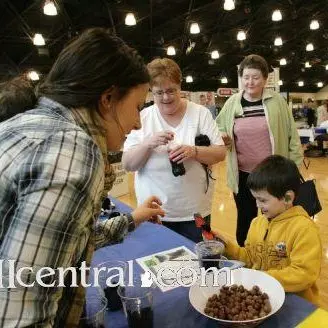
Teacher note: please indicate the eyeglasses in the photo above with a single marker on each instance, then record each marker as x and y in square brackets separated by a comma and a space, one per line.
[168, 92]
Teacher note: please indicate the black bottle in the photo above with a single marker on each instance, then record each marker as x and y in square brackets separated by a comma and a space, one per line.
[177, 169]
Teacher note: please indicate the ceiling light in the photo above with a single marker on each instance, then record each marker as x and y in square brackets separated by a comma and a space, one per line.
[300, 83]
[194, 28]
[38, 40]
[224, 80]
[130, 20]
[309, 47]
[229, 5]
[308, 65]
[49, 8]
[280, 82]
[283, 62]
[320, 84]
[171, 51]
[276, 16]
[241, 35]
[189, 79]
[314, 25]
[215, 54]
[278, 41]
[190, 47]
[33, 75]
[326, 67]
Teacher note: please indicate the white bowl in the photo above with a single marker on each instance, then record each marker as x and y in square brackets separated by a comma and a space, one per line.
[199, 295]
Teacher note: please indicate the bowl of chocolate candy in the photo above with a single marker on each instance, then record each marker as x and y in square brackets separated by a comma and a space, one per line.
[246, 299]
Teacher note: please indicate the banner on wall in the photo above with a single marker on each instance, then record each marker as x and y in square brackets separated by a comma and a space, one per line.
[121, 185]
[226, 92]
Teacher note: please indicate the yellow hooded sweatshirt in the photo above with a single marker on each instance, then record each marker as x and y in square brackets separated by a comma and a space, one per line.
[288, 248]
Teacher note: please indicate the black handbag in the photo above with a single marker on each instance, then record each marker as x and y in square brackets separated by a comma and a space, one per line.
[204, 140]
[308, 198]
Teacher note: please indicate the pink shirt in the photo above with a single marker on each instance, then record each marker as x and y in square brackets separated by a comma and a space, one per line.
[252, 138]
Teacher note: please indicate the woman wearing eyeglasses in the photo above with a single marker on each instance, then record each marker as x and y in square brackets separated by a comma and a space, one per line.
[168, 132]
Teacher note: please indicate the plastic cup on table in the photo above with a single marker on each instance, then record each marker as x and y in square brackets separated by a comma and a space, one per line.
[112, 274]
[209, 252]
[137, 303]
[93, 315]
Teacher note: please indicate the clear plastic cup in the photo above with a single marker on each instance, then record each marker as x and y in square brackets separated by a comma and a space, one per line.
[93, 315]
[209, 252]
[137, 304]
[113, 273]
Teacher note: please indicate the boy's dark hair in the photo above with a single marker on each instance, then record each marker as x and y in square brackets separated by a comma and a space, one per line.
[254, 61]
[89, 65]
[277, 175]
[16, 96]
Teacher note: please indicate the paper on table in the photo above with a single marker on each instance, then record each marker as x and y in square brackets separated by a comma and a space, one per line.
[167, 263]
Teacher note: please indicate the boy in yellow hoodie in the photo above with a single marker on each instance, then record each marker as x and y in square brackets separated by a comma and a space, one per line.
[283, 241]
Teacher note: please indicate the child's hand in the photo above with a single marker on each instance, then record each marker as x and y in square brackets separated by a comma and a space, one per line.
[220, 237]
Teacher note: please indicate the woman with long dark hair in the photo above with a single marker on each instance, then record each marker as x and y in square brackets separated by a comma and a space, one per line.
[54, 174]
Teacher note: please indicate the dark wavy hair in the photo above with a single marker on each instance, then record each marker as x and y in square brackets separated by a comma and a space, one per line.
[277, 175]
[91, 64]
[16, 96]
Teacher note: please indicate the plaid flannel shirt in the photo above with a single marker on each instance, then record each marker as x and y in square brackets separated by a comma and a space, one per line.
[52, 164]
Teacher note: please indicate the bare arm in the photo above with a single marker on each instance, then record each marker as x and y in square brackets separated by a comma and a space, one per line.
[204, 154]
[136, 157]
[210, 155]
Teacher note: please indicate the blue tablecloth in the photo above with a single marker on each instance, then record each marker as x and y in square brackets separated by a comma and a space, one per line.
[120, 207]
[172, 309]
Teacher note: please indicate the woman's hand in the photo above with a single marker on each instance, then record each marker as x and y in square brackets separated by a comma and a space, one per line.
[226, 139]
[159, 139]
[181, 153]
[150, 210]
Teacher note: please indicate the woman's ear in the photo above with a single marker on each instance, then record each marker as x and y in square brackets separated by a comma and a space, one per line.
[105, 103]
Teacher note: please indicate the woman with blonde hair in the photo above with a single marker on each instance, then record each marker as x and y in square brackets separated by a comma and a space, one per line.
[163, 153]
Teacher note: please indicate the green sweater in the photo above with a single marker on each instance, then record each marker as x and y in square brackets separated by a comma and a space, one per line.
[284, 138]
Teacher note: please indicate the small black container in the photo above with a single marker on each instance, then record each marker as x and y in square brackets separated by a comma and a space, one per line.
[178, 169]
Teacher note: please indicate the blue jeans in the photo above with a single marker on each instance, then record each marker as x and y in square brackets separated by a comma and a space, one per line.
[187, 229]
